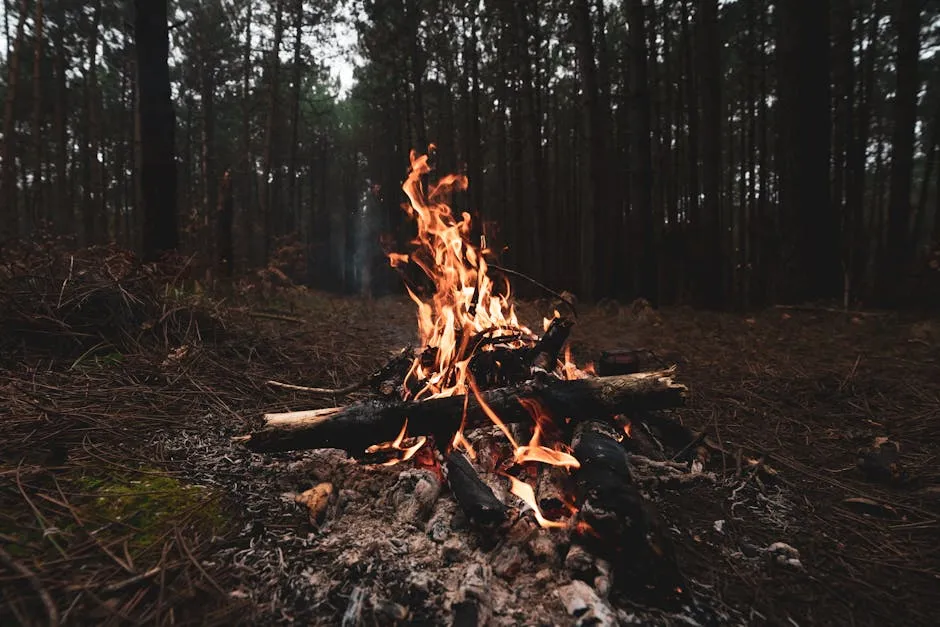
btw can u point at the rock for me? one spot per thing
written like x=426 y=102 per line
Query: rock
x=782 y=554
x=582 y=602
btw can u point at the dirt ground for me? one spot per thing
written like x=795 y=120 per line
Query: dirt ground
x=123 y=499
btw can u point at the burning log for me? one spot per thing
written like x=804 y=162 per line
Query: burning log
x=615 y=521
x=356 y=427
x=545 y=353
x=475 y=498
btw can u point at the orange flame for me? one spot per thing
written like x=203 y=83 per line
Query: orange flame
x=525 y=492
x=396 y=445
x=465 y=302
x=534 y=451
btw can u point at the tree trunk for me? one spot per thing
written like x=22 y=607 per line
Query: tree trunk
x=207 y=79
x=63 y=211
x=292 y=209
x=906 y=20
x=157 y=129
x=38 y=179
x=248 y=165
x=9 y=219
x=805 y=184
x=268 y=186
x=593 y=162
x=709 y=88
x=89 y=148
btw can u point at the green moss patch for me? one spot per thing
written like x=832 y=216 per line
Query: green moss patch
x=147 y=507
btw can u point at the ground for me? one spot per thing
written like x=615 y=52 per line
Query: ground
x=123 y=498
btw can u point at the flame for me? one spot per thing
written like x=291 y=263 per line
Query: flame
x=525 y=492
x=534 y=451
x=465 y=303
x=396 y=445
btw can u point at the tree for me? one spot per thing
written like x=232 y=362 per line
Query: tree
x=906 y=20
x=157 y=129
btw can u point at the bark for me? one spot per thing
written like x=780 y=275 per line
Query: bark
x=157 y=129
x=356 y=427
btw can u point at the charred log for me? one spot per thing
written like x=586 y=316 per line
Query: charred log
x=544 y=355
x=616 y=522
x=356 y=427
x=499 y=367
x=475 y=498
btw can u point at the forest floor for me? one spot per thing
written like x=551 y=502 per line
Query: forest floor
x=123 y=499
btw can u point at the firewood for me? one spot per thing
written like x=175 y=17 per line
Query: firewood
x=475 y=498
x=356 y=427
x=545 y=353
x=616 y=522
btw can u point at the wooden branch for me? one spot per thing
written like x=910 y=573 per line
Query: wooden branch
x=356 y=427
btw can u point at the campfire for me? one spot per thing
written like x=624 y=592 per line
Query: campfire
x=523 y=437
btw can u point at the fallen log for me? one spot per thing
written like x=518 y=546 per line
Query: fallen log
x=356 y=427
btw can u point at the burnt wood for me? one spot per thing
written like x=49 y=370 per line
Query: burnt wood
x=356 y=427
x=544 y=355
x=621 y=526
x=475 y=498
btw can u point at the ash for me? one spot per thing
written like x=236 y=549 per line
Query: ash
x=391 y=550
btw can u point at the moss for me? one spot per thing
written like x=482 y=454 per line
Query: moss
x=146 y=507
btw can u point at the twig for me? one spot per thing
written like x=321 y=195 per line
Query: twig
x=66 y=281
x=192 y=558
x=542 y=286
x=352 y=387
x=272 y=316
x=126 y=583
x=52 y=612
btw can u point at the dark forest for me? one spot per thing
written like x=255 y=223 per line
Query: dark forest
x=429 y=312
x=709 y=153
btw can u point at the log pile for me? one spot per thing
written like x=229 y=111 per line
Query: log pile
x=615 y=427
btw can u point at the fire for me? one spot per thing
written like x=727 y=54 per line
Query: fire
x=466 y=308
x=534 y=451
x=525 y=492
x=466 y=305
x=396 y=445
